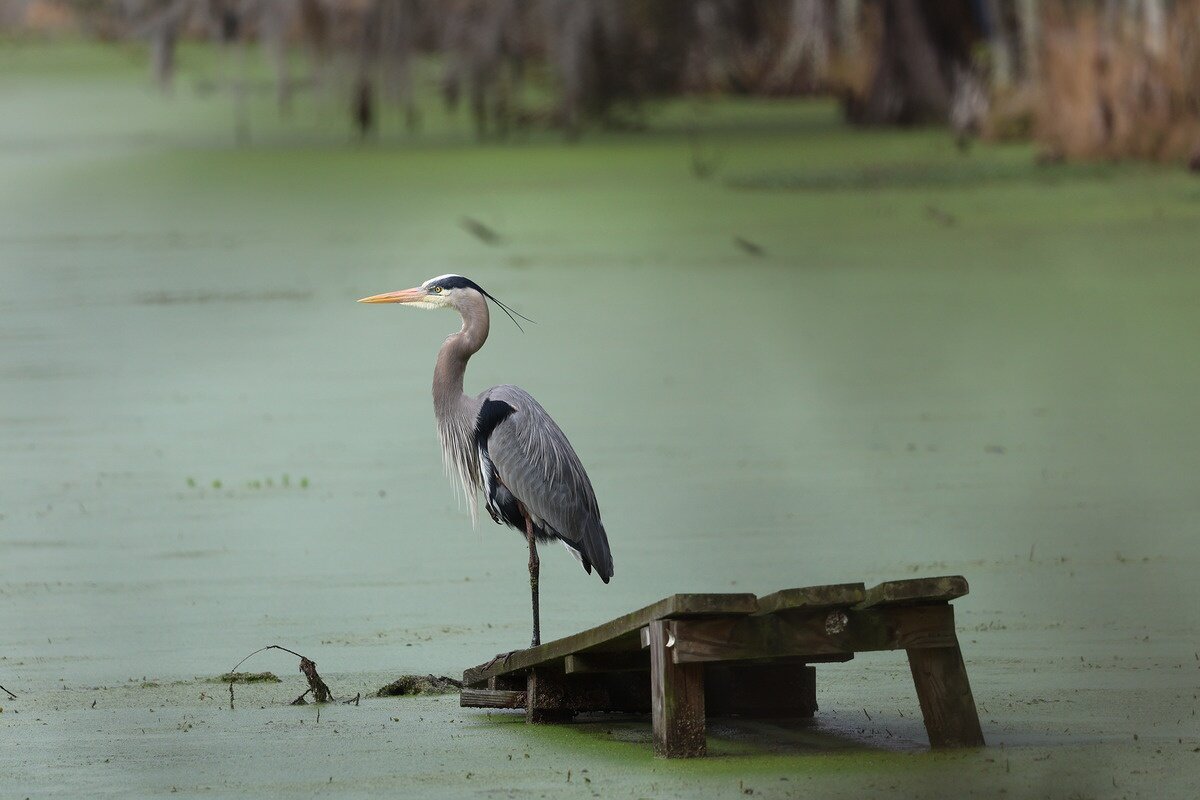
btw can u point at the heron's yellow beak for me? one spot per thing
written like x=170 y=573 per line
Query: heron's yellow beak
x=405 y=296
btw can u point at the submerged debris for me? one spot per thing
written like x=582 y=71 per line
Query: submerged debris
x=420 y=684
x=11 y=696
x=943 y=217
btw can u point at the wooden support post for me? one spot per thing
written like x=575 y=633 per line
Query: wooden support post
x=676 y=698
x=546 y=697
x=945 y=695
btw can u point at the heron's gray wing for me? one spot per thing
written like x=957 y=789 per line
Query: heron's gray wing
x=535 y=461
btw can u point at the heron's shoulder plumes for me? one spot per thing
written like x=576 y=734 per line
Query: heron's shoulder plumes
x=456 y=431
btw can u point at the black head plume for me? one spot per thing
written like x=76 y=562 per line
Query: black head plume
x=459 y=282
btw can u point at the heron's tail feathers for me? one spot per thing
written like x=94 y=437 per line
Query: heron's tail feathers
x=595 y=547
x=592 y=551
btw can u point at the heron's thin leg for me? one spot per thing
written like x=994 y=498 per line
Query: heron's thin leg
x=534 y=566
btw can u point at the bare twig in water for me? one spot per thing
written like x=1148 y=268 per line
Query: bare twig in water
x=320 y=691
x=480 y=231
x=11 y=696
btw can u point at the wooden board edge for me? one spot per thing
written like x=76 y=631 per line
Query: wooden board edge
x=937 y=589
x=834 y=595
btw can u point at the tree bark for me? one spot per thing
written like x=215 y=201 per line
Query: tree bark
x=908 y=85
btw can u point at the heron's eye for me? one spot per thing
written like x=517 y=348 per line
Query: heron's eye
x=435 y=289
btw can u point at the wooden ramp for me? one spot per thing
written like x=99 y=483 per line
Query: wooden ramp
x=694 y=655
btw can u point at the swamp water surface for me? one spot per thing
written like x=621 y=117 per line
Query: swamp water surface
x=209 y=446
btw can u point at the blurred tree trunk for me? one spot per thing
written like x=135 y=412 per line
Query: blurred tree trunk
x=163 y=29
x=1030 y=25
x=1155 y=21
x=595 y=64
x=908 y=85
x=848 y=13
x=483 y=39
x=274 y=24
x=804 y=62
x=398 y=21
x=999 y=46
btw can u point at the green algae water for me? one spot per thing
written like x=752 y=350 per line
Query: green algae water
x=928 y=363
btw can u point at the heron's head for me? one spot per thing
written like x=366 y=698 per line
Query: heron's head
x=445 y=291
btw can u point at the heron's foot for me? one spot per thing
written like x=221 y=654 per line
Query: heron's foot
x=501 y=657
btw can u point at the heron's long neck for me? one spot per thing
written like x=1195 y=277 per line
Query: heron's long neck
x=455 y=411
x=448 y=397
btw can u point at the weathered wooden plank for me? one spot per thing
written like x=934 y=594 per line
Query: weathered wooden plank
x=944 y=692
x=760 y=690
x=812 y=597
x=916 y=590
x=812 y=633
x=678 y=606
x=491 y=698
x=676 y=699
x=581 y=663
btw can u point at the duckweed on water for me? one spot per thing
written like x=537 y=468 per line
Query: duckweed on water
x=247 y=677
x=256 y=484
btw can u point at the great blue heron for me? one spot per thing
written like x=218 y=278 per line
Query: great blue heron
x=504 y=444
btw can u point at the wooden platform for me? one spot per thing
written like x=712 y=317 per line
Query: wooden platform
x=689 y=656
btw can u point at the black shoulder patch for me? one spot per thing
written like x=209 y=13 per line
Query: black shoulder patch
x=491 y=414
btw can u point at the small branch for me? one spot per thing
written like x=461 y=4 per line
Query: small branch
x=319 y=689
x=11 y=696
